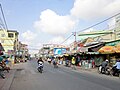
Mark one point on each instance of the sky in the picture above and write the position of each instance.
(52, 21)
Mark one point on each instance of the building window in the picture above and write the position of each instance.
(2, 35)
(10, 35)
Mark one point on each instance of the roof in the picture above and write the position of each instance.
(95, 33)
(92, 47)
(13, 31)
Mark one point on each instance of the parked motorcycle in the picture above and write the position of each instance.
(40, 67)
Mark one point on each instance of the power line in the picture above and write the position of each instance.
(2, 25)
(92, 26)
(3, 16)
(99, 23)
(67, 38)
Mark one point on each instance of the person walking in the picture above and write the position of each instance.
(73, 62)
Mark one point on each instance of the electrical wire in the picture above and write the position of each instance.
(93, 26)
(3, 16)
(67, 38)
(99, 22)
(4, 27)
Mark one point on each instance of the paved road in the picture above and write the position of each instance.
(28, 78)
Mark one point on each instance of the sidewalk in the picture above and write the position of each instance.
(5, 84)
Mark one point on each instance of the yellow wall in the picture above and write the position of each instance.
(8, 43)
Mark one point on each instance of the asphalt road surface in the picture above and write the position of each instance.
(28, 78)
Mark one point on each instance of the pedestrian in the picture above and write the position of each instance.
(93, 64)
(73, 62)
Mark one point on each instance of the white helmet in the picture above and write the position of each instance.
(106, 60)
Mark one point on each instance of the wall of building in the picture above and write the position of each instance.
(8, 42)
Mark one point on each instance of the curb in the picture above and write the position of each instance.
(9, 81)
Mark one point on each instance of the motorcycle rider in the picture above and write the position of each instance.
(116, 67)
(40, 64)
(40, 60)
(104, 66)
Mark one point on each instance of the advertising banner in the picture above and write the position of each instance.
(59, 51)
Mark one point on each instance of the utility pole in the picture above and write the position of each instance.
(74, 33)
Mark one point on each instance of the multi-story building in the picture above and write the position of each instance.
(9, 40)
(22, 52)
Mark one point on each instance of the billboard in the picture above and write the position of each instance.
(59, 51)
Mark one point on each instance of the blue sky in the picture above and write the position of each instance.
(52, 21)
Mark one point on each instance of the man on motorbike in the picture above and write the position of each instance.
(116, 67)
(104, 66)
(40, 60)
(40, 65)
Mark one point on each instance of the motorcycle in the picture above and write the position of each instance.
(106, 70)
(117, 72)
(40, 67)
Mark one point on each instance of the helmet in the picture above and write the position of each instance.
(106, 60)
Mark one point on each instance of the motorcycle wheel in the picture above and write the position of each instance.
(119, 75)
(99, 70)
(40, 70)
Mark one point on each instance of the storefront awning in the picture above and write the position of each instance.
(92, 47)
(117, 49)
(107, 49)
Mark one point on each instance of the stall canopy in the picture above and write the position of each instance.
(117, 49)
(107, 49)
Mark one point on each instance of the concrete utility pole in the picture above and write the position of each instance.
(74, 33)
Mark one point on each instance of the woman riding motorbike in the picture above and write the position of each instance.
(116, 68)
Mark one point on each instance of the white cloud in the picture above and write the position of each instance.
(60, 40)
(29, 38)
(57, 40)
(28, 35)
(91, 9)
(54, 24)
